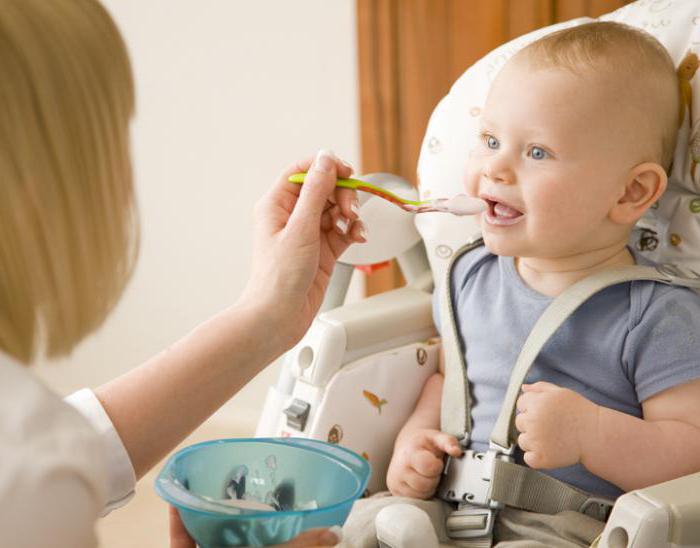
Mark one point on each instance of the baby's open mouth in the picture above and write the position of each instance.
(500, 214)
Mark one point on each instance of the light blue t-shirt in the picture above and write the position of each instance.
(625, 344)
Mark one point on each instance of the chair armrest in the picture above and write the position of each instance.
(356, 330)
(667, 514)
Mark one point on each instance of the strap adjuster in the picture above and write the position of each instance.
(679, 275)
(597, 508)
(471, 522)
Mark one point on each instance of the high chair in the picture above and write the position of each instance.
(357, 374)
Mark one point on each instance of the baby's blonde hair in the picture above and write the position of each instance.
(68, 219)
(636, 63)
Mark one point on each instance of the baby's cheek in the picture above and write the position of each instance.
(556, 209)
(470, 180)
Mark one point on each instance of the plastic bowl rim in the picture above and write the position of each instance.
(275, 441)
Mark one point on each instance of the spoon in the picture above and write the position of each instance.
(460, 204)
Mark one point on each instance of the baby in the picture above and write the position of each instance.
(576, 136)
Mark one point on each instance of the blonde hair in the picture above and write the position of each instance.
(631, 58)
(68, 219)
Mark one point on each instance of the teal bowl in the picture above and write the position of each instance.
(310, 484)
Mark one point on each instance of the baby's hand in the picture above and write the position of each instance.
(555, 425)
(417, 462)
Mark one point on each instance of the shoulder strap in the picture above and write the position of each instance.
(455, 412)
(504, 433)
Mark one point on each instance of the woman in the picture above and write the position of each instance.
(68, 244)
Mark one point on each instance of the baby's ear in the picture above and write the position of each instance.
(645, 184)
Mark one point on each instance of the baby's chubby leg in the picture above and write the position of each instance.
(404, 525)
(360, 530)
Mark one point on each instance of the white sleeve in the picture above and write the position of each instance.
(121, 478)
(53, 478)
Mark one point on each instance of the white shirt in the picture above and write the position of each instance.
(58, 471)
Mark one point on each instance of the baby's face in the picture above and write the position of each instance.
(551, 160)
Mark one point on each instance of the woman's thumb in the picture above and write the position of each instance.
(318, 187)
(179, 538)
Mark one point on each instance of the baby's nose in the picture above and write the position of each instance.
(498, 167)
(499, 174)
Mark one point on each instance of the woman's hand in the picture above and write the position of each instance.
(179, 538)
(300, 231)
(296, 246)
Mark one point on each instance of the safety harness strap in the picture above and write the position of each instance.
(455, 412)
(522, 487)
(504, 433)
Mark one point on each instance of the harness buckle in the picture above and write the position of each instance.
(467, 479)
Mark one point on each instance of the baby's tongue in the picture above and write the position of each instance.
(503, 210)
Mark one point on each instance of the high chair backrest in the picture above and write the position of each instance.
(669, 233)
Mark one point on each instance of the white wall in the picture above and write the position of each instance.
(229, 92)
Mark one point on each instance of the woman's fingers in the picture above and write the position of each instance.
(179, 537)
(315, 537)
(328, 218)
(315, 192)
(341, 224)
(304, 204)
(319, 188)
(352, 230)
(283, 187)
(344, 169)
(358, 232)
(338, 242)
(349, 205)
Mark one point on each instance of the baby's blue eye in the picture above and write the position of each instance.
(491, 142)
(538, 153)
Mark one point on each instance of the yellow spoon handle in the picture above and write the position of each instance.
(356, 184)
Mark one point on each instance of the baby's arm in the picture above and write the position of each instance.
(634, 453)
(426, 414)
(559, 427)
(417, 462)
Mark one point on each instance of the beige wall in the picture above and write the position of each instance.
(229, 92)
